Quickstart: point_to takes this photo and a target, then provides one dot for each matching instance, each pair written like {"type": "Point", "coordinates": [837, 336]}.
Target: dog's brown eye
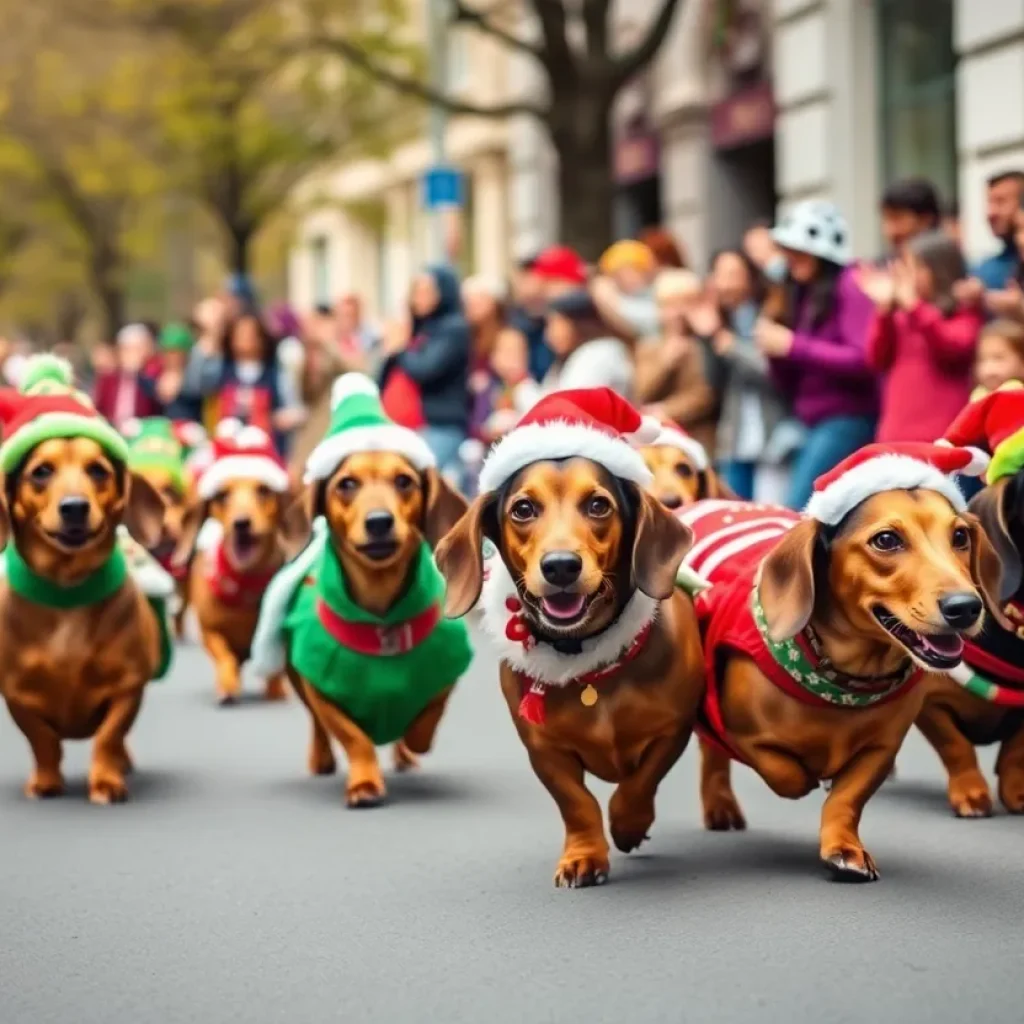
{"type": "Point", "coordinates": [97, 472]}
{"type": "Point", "coordinates": [404, 483]}
{"type": "Point", "coordinates": [263, 492]}
{"type": "Point", "coordinates": [522, 510]}
{"type": "Point", "coordinates": [348, 485]}
{"type": "Point", "coordinates": [41, 473]}
{"type": "Point", "coordinates": [684, 470]}
{"type": "Point", "coordinates": [961, 538]}
{"type": "Point", "coordinates": [887, 541]}
{"type": "Point", "coordinates": [599, 507]}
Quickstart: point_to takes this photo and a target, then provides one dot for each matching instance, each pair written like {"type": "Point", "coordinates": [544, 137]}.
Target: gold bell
{"type": "Point", "coordinates": [588, 697]}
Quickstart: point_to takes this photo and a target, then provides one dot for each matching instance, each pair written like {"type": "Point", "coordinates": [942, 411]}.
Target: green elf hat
{"type": "Point", "coordinates": [48, 406]}
{"type": "Point", "coordinates": [176, 338]}
{"type": "Point", "coordinates": [359, 424]}
{"type": "Point", "coordinates": [153, 444]}
{"type": "Point", "coordinates": [994, 423]}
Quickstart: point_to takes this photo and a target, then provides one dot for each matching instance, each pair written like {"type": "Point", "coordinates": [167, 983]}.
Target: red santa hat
{"type": "Point", "coordinates": [589, 423]}
{"type": "Point", "coordinates": [673, 436]}
{"type": "Point", "coordinates": [891, 467]}
{"type": "Point", "coordinates": [241, 453]}
{"type": "Point", "coordinates": [995, 423]}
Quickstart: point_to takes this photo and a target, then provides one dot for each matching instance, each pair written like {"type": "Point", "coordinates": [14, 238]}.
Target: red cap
{"type": "Point", "coordinates": [560, 263]}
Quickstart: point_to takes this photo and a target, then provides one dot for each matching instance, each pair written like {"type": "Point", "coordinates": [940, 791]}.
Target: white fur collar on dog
{"type": "Point", "coordinates": [542, 662]}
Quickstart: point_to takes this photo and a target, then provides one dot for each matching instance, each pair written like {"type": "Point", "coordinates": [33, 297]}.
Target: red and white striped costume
{"type": "Point", "coordinates": [731, 539]}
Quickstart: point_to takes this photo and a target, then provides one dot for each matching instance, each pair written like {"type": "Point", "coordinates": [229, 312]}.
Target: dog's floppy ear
{"type": "Point", "coordinates": [301, 508]}
{"type": "Point", "coordinates": [5, 519]}
{"type": "Point", "coordinates": [988, 571]}
{"type": "Point", "coordinates": [787, 582]}
{"type": "Point", "coordinates": [459, 556]}
{"type": "Point", "coordinates": [443, 507]}
{"type": "Point", "coordinates": [144, 511]}
{"type": "Point", "coordinates": [659, 547]}
{"type": "Point", "coordinates": [192, 522]}
{"type": "Point", "coordinates": [991, 507]}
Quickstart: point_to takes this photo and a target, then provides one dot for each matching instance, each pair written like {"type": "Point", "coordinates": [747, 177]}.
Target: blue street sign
{"type": "Point", "coordinates": [442, 186]}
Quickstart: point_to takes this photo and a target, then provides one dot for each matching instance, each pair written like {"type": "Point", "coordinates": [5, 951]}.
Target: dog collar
{"type": "Point", "coordinates": [231, 587]}
{"type": "Point", "coordinates": [800, 660]}
{"type": "Point", "coordinates": [531, 706]}
{"type": "Point", "coordinates": [97, 587]}
{"type": "Point", "coordinates": [378, 641]}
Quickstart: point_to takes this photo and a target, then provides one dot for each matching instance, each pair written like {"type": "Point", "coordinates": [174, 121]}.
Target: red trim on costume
{"type": "Point", "coordinates": [231, 587]}
{"type": "Point", "coordinates": [988, 664]}
{"type": "Point", "coordinates": [531, 707]}
{"type": "Point", "coordinates": [378, 641]}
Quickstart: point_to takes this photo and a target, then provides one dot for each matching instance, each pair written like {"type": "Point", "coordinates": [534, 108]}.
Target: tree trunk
{"type": "Point", "coordinates": [110, 297]}
{"type": "Point", "coordinates": [586, 185]}
{"type": "Point", "coordinates": [239, 239]}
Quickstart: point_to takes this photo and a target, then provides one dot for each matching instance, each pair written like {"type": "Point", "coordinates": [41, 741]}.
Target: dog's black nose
{"type": "Point", "coordinates": [74, 512]}
{"type": "Point", "coordinates": [671, 501]}
{"type": "Point", "coordinates": [379, 523]}
{"type": "Point", "coordinates": [561, 568]}
{"type": "Point", "coordinates": [243, 525]}
{"type": "Point", "coordinates": [961, 610]}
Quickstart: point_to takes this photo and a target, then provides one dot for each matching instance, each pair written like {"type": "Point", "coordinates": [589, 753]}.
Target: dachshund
{"type": "Point", "coordinates": [367, 649]}
{"type": "Point", "coordinates": [985, 704]}
{"type": "Point", "coordinates": [681, 469]}
{"type": "Point", "coordinates": [600, 652]}
{"type": "Point", "coordinates": [75, 667]}
{"type": "Point", "coordinates": [238, 518]}
{"type": "Point", "coordinates": [815, 634]}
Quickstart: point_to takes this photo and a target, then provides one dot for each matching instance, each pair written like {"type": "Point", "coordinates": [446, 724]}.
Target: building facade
{"type": "Point", "coordinates": [751, 105]}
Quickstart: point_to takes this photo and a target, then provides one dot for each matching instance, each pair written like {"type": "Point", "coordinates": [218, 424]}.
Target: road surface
{"type": "Point", "coordinates": [234, 888]}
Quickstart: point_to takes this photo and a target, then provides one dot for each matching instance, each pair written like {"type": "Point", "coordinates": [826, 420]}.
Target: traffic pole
{"type": "Point", "coordinates": [438, 54]}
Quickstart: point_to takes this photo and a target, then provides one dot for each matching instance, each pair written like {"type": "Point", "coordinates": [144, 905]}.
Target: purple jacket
{"type": "Point", "coordinates": [826, 373]}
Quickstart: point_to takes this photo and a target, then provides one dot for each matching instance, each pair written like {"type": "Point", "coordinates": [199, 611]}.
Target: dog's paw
{"type": "Point", "coordinates": [321, 761]}
{"type": "Point", "coordinates": [1011, 795]}
{"type": "Point", "coordinates": [365, 794]}
{"type": "Point", "coordinates": [581, 871]}
{"type": "Point", "coordinates": [275, 690]}
{"type": "Point", "coordinates": [850, 864]}
{"type": "Point", "coordinates": [630, 819]}
{"type": "Point", "coordinates": [722, 813]}
{"type": "Point", "coordinates": [969, 796]}
{"type": "Point", "coordinates": [227, 700]}
{"type": "Point", "coordinates": [405, 759]}
{"type": "Point", "coordinates": [44, 785]}
{"type": "Point", "coordinates": [107, 788]}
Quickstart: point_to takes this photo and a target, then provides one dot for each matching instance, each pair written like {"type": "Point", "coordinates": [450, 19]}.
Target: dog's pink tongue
{"type": "Point", "coordinates": [947, 646]}
{"type": "Point", "coordinates": [563, 606]}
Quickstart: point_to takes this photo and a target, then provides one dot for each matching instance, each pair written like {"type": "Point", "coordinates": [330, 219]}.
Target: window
{"type": "Point", "coordinates": [320, 256]}
{"type": "Point", "coordinates": [917, 91]}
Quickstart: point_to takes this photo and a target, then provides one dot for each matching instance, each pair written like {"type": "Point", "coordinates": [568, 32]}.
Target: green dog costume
{"type": "Point", "coordinates": [383, 671]}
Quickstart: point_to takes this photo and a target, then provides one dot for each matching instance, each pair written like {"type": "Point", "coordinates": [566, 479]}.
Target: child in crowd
{"type": "Point", "coordinates": [128, 390]}
{"type": "Point", "coordinates": [624, 292]}
{"type": "Point", "coordinates": [175, 347]}
{"type": "Point", "coordinates": [922, 340]}
{"type": "Point", "coordinates": [1000, 356]}
{"type": "Point", "coordinates": [909, 207]}
{"type": "Point", "coordinates": [245, 381]}
{"type": "Point", "coordinates": [495, 413]}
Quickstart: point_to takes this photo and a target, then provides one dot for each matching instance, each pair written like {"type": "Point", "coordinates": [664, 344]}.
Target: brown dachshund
{"type": "Point", "coordinates": [75, 670]}
{"type": "Point", "coordinates": [681, 470]}
{"type": "Point", "coordinates": [955, 719]}
{"type": "Point", "coordinates": [600, 654]}
{"type": "Point", "coordinates": [812, 667]}
{"type": "Point", "coordinates": [366, 677]}
{"type": "Point", "coordinates": [246, 542]}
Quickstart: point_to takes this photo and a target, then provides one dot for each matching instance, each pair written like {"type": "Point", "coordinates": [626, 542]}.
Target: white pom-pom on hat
{"type": "Point", "coordinates": [228, 428]}
{"type": "Point", "coordinates": [190, 433]}
{"type": "Point", "coordinates": [131, 428]}
{"type": "Point", "coordinates": [349, 384]}
{"type": "Point", "coordinates": [649, 431]}
{"type": "Point", "coordinates": [251, 437]}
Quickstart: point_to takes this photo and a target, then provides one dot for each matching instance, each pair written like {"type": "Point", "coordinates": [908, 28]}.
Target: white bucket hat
{"type": "Point", "coordinates": [815, 227]}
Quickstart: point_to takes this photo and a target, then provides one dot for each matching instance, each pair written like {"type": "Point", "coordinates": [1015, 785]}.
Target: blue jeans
{"type": "Point", "coordinates": [827, 444]}
{"type": "Point", "coordinates": [739, 478]}
{"type": "Point", "coordinates": [444, 443]}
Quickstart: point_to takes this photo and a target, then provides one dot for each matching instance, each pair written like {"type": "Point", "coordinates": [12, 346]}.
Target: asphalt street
{"type": "Point", "coordinates": [232, 887]}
